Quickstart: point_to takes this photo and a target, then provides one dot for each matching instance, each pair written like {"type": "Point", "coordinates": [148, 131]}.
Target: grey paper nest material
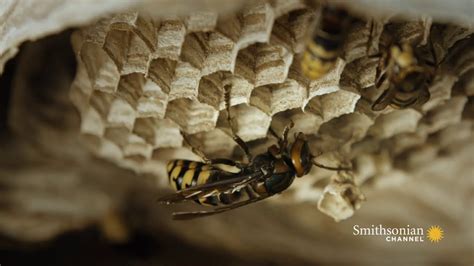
{"type": "Point", "coordinates": [142, 81]}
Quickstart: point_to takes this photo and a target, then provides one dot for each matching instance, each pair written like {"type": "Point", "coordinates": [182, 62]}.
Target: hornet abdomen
{"type": "Point", "coordinates": [184, 174]}
{"type": "Point", "coordinates": [323, 49]}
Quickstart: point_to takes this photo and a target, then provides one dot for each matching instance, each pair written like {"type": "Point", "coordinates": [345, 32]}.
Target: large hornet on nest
{"type": "Point", "coordinates": [228, 184]}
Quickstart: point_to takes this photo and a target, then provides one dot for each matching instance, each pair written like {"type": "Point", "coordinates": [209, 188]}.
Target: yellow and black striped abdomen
{"type": "Point", "coordinates": [316, 61]}
{"type": "Point", "coordinates": [324, 47]}
{"type": "Point", "coordinates": [184, 174]}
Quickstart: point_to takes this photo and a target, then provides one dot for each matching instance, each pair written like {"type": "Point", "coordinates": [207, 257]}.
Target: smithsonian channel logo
{"type": "Point", "coordinates": [433, 234]}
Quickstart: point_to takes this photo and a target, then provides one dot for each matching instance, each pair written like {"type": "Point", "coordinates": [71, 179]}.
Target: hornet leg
{"type": "Point", "coordinates": [236, 138]}
{"type": "Point", "coordinates": [196, 150]}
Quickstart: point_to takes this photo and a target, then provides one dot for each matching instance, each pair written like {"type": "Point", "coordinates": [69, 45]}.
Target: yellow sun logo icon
{"type": "Point", "coordinates": [435, 234]}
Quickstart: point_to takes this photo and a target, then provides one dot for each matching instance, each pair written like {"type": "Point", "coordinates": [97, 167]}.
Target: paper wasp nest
{"type": "Point", "coordinates": [141, 81]}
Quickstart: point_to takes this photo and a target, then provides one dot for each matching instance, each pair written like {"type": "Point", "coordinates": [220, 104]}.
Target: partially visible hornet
{"type": "Point", "coordinates": [325, 46]}
{"type": "Point", "coordinates": [409, 78]}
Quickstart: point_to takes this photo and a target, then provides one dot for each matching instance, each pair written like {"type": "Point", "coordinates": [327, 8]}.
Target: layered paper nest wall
{"type": "Point", "coordinates": [142, 81]}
